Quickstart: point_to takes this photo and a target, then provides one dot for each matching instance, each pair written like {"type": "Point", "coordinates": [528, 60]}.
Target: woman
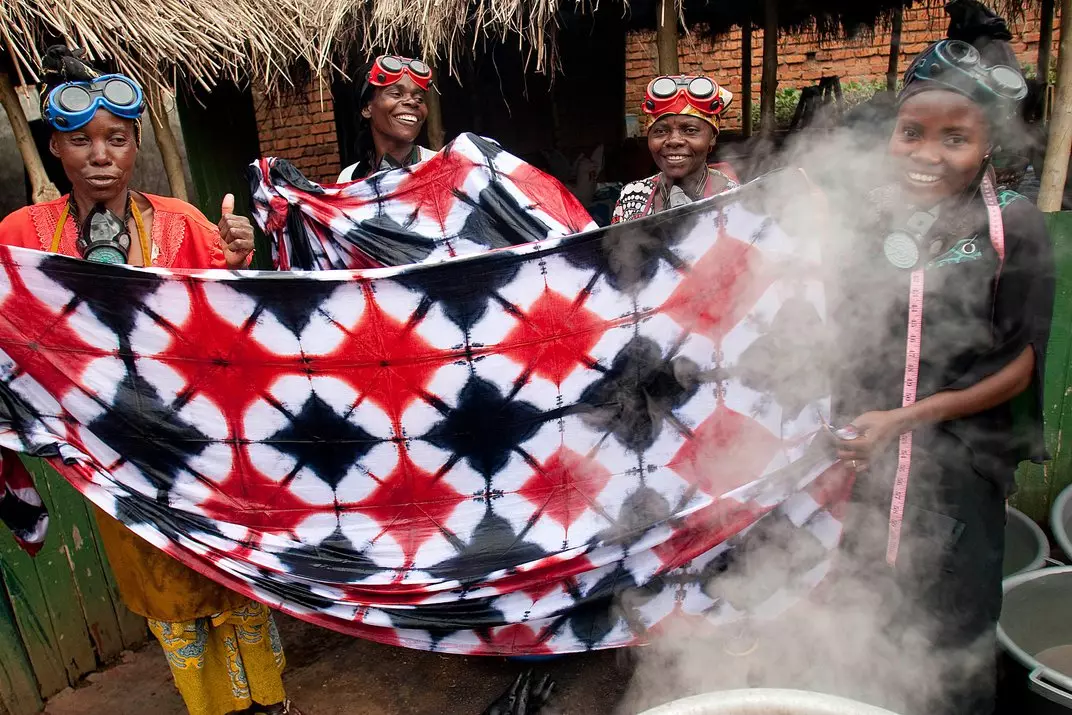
{"type": "Point", "coordinates": [223, 648]}
{"type": "Point", "coordinates": [392, 114]}
{"type": "Point", "coordinates": [684, 125]}
{"type": "Point", "coordinates": [958, 278]}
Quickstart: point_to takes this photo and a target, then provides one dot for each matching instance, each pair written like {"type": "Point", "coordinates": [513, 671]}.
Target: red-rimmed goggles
{"type": "Point", "coordinates": [669, 95]}
{"type": "Point", "coordinates": [388, 69]}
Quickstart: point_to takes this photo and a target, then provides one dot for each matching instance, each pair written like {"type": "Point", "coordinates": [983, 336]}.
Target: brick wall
{"type": "Point", "coordinates": [803, 58]}
{"type": "Point", "coordinates": [300, 129]}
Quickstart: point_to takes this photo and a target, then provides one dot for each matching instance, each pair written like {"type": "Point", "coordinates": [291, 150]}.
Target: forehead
{"type": "Point", "coordinates": [680, 121]}
{"type": "Point", "coordinates": [941, 107]}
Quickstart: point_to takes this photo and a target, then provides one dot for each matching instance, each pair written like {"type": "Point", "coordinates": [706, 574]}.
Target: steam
{"type": "Point", "coordinates": [857, 635]}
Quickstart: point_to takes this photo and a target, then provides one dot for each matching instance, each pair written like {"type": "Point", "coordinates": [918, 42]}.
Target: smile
{"type": "Point", "coordinates": [677, 158]}
{"type": "Point", "coordinates": [923, 178]}
{"type": "Point", "coordinates": [407, 118]}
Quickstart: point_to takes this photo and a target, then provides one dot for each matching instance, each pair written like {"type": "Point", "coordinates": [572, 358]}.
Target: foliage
{"type": "Point", "coordinates": [787, 98]}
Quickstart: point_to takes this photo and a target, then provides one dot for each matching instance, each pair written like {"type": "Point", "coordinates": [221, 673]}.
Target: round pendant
{"type": "Point", "coordinates": [901, 250]}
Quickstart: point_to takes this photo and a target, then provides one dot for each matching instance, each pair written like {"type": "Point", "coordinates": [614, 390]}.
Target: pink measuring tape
{"type": "Point", "coordinates": [911, 373]}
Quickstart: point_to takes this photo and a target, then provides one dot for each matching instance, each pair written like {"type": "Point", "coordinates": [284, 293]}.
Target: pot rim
{"type": "Point", "coordinates": [1040, 540]}
{"type": "Point", "coordinates": [1019, 654]}
{"type": "Point", "coordinates": [1057, 525]}
{"type": "Point", "coordinates": [755, 698]}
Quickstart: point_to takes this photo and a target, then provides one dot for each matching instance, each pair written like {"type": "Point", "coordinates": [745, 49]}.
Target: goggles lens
{"type": "Point", "coordinates": [663, 88]}
{"type": "Point", "coordinates": [419, 68]}
{"type": "Point", "coordinates": [391, 63]}
{"type": "Point", "coordinates": [120, 93]}
{"type": "Point", "coordinates": [962, 53]}
{"type": "Point", "coordinates": [75, 99]}
{"type": "Point", "coordinates": [1007, 82]}
{"type": "Point", "coordinates": [701, 88]}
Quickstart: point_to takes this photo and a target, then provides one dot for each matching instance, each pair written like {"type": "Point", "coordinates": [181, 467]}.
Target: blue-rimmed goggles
{"type": "Point", "coordinates": [72, 105]}
{"type": "Point", "coordinates": [959, 67]}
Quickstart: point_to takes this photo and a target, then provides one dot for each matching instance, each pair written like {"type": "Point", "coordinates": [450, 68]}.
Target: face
{"type": "Point", "coordinates": [398, 111]}
{"type": "Point", "coordinates": [939, 144]}
{"type": "Point", "coordinates": [680, 144]}
{"type": "Point", "coordinates": [99, 157]}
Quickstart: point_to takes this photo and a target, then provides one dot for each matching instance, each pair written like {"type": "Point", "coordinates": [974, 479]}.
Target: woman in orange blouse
{"type": "Point", "coordinates": [223, 648]}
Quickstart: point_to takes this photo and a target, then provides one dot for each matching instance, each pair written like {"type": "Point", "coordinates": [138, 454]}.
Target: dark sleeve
{"type": "Point", "coordinates": [1023, 311]}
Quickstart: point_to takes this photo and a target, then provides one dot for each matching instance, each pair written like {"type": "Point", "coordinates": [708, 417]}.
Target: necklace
{"type": "Point", "coordinates": [132, 210]}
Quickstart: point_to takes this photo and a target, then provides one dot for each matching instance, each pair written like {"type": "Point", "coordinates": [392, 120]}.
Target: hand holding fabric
{"type": "Point", "coordinates": [524, 697]}
{"type": "Point", "coordinates": [876, 431]}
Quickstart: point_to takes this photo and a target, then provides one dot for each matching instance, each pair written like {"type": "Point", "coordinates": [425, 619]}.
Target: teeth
{"type": "Point", "coordinates": [408, 118]}
{"type": "Point", "coordinates": [923, 178]}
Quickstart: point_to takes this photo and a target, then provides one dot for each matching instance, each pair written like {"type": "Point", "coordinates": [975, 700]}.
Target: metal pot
{"type": "Point", "coordinates": [762, 701]}
{"type": "Point", "coordinates": [1036, 616]}
{"type": "Point", "coordinates": [1061, 521]}
{"type": "Point", "coordinates": [1026, 547]}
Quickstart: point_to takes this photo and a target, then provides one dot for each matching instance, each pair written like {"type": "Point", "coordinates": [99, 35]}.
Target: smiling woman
{"type": "Point", "coordinates": [393, 111]}
{"type": "Point", "coordinates": [684, 115]}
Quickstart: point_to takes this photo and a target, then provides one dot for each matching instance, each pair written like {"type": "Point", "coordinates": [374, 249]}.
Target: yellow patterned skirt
{"type": "Point", "coordinates": [225, 662]}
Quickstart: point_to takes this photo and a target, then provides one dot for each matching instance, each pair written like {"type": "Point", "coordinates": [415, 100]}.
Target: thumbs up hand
{"type": "Point", "coordinates": [236, 233]}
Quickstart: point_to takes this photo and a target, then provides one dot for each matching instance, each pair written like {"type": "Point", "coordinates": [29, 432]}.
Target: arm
{"type": "Point", "coordinates": [878, 429]}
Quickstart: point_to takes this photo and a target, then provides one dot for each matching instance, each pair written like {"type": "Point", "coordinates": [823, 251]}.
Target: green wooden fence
{"type": "Point", "coordinates": [60, 612]}
{"type": "Point", "coordinates": [1039, 484]}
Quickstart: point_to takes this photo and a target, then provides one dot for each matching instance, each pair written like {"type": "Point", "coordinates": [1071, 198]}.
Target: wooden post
{"type": "Point", "coordinates": [895, 50]}
{"type": "Point", "coordinates": [41, 186]}
{"type": "Point", "coordinates": [746, 79]}
{"type": "Point", "coordinates": [1055, 172]}
{"type": "Point", "coordinates": [1045, 50]}
{"type": "Point", "coordinates": [769, 84]}
{"type": "Point", "coordinates": [434, 124]}
{"type": "Point", "coordinates": [167, 144]}
{"type": "Point", "coordinates": [666, 37]}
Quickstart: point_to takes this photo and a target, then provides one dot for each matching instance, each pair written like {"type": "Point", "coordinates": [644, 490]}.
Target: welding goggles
{"type": "Point", "coordinates": [388, 69]}
{"type": "Point", "coordinates": [694, 95]}
{"type": "Point", "coordinates": [959, 67]}
{"type": "Point", "coordinates": [72, 105]}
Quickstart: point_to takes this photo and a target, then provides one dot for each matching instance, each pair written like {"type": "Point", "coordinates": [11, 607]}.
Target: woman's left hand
{"type": "Point", "coordinates": [876, 431]}
{"type": "Point", "coordinates": [236, 232]}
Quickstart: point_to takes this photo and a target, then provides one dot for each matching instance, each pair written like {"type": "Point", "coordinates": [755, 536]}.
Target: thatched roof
{"type": "Point", "coordinates": [161, 41]}
{"type": "Point", "coordinates": [164, 42]}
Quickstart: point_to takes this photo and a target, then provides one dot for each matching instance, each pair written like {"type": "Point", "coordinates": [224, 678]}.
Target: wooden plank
{"type": "Point", "coordinates": [54, 568]}
{"type": "Point", "coordinates": [18, 686]}
{"type": "Point", "coordinates": [73, 525]}
{"type": "Point", "coordinates": [27, 599]}
{"type": "Point", "coordinates": [132, 627]}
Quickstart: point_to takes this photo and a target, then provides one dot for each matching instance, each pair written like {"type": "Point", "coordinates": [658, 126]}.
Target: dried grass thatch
{"type": "Point", "coordinates": [161, 42]}
{"type": "Point", "coordinates": [165, 42]}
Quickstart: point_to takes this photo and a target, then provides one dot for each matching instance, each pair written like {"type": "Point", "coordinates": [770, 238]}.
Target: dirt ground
{"type": "Point", "coordinates": [332, 674]}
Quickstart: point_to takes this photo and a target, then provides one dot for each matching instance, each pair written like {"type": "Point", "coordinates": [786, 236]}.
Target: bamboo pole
{"type": "Point", "coordinates": [41, 187]}
{"type": "Point", "coordinates": [1055, 171]}
{"type": "Point", "coordinates": [434, 123]}
{"type": "Point", "coordinates": [895, 50]}
{"type": "Point", "coordinates": [769, 84]}
{"type": "Point", "coordinates": [168, 145]}
{"type": "Point", "coordinates": [746, 79]}
{"type": "Point", "coordinates": [1045, 50]}
{"type": "Point", "coordinates": [666, 37]}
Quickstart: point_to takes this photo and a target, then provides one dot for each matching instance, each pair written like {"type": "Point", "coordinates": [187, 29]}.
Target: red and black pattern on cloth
{"type": "Point", "coordinates": [21, 507]}
{"type": "Point", "coordinates": [546, 448]}
{"type": "Point", "coordinates": [470, 197]}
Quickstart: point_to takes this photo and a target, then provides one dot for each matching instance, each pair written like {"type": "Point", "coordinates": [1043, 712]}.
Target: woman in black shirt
{"type": "Point", "coordinates": [948, 270]}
